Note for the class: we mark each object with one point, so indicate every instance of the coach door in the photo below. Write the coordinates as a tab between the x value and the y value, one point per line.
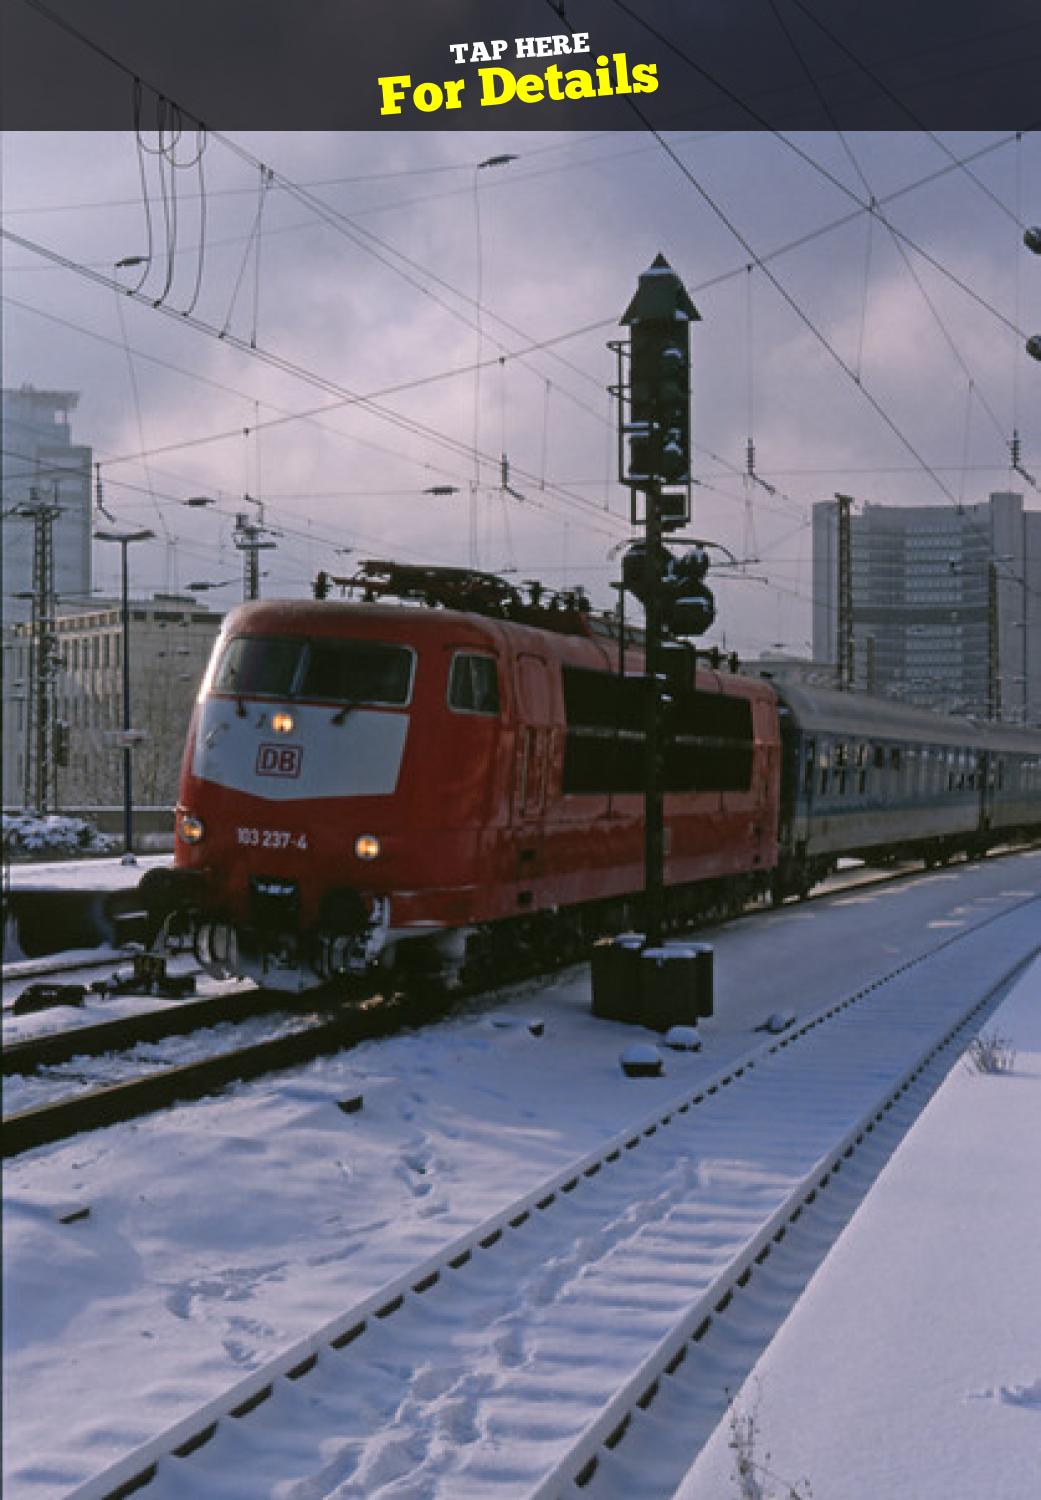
531	773
986	775
534	709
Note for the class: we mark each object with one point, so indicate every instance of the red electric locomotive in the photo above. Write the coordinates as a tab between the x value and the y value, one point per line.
362	776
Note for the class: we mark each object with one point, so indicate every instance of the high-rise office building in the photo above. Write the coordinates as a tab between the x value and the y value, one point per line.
40	458
946	603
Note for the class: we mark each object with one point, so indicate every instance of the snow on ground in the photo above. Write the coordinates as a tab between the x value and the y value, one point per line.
911	1366
220	1232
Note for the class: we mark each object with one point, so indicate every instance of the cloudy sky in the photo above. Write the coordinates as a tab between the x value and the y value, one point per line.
472	306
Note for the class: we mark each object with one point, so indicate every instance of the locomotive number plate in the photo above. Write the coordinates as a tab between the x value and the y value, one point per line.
270	838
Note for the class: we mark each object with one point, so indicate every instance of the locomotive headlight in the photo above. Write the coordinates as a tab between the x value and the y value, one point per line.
367	846
282	723
191	828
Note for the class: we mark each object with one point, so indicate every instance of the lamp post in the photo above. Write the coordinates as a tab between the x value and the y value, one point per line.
1032	240
124	539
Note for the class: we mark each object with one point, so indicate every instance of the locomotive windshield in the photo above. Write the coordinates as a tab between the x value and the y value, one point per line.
329	671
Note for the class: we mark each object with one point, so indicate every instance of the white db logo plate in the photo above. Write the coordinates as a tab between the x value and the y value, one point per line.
279	760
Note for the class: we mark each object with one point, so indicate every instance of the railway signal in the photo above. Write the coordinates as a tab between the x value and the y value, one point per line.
659	397
654	429
654	422
687	605
654	460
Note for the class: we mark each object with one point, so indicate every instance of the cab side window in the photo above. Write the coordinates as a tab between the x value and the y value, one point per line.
473	685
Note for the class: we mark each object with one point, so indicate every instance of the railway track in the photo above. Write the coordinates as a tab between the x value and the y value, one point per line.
62	963
314	1036
96	1039
321	1030
533	1354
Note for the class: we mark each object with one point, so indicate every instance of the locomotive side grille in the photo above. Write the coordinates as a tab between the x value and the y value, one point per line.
708	737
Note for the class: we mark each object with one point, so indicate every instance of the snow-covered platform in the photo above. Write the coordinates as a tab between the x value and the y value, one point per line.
911	1365
105	873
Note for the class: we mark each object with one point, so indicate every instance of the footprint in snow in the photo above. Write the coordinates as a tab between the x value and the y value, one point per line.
435	1380
1025	1396
432	1206
457	1420
510	1347
389	1458
414	1178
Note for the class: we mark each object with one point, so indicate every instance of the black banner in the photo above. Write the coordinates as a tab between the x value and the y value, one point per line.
523	64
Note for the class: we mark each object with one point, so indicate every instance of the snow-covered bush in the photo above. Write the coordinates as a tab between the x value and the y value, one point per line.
29	836
990	1053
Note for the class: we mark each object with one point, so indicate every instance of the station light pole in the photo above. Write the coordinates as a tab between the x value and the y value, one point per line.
124	539
1032	240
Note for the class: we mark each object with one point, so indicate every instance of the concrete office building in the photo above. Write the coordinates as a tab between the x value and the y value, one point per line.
921	603
171	637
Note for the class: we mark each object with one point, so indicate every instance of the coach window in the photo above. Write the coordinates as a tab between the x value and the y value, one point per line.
810	761
824	769
473	685
862	765
880	758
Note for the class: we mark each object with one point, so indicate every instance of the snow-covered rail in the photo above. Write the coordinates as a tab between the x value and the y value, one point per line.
785	1251
521	1358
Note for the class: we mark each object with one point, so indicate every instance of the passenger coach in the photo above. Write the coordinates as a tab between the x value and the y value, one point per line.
865	776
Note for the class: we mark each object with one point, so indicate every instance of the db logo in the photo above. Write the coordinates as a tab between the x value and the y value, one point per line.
279	760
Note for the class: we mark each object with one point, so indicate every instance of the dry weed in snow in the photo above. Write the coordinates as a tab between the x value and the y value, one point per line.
990	1053
755	1479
